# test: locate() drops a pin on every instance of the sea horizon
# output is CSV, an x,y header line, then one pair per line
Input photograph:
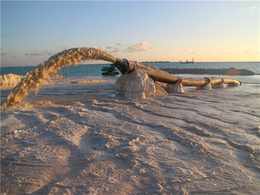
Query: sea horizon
x,y
96,68
155,61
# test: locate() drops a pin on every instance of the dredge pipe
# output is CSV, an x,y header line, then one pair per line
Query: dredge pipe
x,y
126,67
159,76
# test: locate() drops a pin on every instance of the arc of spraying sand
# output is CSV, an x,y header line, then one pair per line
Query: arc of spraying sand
x,y
35,79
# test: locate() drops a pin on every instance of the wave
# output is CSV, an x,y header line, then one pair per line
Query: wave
x,y
10,80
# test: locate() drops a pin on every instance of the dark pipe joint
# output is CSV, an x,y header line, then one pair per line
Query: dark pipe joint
x,y
207,79
124,66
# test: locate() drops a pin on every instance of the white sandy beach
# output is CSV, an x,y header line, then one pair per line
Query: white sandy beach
x,y
148,98
82,139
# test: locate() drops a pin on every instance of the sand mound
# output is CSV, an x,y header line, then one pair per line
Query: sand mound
x,y
135,85
11,80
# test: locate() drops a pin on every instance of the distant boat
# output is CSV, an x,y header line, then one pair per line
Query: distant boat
x,y
109,70
187,62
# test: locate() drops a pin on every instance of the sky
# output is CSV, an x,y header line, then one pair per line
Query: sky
x,y
208,31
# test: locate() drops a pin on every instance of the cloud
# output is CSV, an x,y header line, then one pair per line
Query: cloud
x,y
252,52
253,7
136,32
189,50
102,48
148,39
225,52
33,54
105,49
159,47
48,51
66,47
6,35
45,52
115,51
119,44
138,47
3,54
109,47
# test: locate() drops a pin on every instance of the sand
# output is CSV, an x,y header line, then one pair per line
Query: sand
x,y
83,139
11,80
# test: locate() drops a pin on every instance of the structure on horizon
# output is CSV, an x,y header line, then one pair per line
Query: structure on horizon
x,y
187,61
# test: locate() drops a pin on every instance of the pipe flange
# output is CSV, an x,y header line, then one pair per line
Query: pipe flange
x,y
207,79
124,66
179,80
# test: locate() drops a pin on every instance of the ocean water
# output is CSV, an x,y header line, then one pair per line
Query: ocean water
x,y
252,66
80,138
87,70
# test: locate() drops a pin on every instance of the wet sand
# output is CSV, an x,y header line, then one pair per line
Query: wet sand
x,y
82,139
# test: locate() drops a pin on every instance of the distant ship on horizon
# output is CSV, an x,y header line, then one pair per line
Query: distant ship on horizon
x,y
187,62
